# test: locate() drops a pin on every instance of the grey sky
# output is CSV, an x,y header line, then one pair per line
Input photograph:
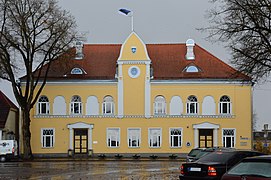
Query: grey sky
x,y
155,21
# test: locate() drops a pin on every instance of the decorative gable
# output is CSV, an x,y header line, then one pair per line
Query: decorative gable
x,y
133,49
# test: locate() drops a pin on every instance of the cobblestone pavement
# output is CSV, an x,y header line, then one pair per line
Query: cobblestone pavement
x,y
99,169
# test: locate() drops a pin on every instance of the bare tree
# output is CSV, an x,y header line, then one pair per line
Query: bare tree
x,y
33,33
245,25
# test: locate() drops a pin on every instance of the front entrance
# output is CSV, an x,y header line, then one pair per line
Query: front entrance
x,y
80,141
205,138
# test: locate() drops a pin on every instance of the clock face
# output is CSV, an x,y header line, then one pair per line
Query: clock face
x,y
134,72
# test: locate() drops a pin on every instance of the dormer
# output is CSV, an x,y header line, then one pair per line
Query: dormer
x,y
79,50
190,43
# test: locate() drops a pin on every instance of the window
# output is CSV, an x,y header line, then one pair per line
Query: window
x,y
225,105
43,105
76,105
159,105
108,105
76,71
228,138
175,137
192,105
192,69
47,136
134,138
155,137
176,106
113,137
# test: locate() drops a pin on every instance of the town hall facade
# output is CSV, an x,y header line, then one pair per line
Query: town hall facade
x,y
143,100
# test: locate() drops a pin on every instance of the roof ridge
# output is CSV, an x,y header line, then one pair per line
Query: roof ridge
x,y
7,100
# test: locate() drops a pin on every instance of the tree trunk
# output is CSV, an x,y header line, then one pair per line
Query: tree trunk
x,y
27,152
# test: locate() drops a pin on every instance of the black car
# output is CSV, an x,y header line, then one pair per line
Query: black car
x,y
256,168
208,151
193,153
197,153
213,165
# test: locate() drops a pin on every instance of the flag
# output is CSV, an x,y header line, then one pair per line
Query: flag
x,y
126,12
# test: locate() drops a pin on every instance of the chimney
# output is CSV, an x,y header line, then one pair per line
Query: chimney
x,y
79,49
190,43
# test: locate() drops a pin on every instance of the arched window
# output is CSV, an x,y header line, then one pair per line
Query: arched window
x,y
225,105
59,106
43,105
76,105
108,105
176,106
92,107
76,71
192,69
192,105
159,105
208,106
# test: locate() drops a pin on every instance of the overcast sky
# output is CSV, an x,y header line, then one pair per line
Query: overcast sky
x,y
155,21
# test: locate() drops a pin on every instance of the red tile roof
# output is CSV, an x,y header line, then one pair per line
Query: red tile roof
x,y
5,105
168,62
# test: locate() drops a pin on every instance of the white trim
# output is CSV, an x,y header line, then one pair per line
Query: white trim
x,y
134,128
234,136
170,137
41,136
161,134
201,81
146,62
120,91
118,138
205,125
1,134
145,48
75,82
147,93
80,125
130,72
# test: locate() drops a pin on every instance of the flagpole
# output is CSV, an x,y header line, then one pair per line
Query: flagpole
x,y
132,21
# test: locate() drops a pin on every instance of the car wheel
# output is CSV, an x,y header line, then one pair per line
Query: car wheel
x,y
2,158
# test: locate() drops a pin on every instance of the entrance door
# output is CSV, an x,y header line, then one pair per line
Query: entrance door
x,y
205,138
80,141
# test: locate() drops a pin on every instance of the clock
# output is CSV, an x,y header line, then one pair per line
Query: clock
x,y
134,72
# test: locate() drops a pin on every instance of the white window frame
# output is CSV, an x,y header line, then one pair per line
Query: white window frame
x,y
180,137
131,136
111,105
43,138
190,103
228,105
76,71
152,137
109,136
41,103
233,137
74,103
160,106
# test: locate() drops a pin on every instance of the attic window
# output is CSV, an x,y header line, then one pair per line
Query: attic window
x,y
191,68
76,71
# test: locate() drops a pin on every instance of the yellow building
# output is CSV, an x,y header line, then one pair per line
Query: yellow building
x,y
141,99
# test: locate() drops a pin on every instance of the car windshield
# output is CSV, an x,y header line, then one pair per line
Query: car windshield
x,y
194,152
221,157
202,153
261,169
